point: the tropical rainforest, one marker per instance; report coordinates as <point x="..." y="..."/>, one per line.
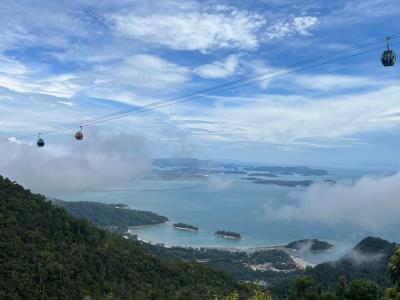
<point x="48" y="254"/>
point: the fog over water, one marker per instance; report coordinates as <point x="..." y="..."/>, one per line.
<point x="265" y="215"/>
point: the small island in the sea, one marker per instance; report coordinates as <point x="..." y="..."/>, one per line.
<point x="288" y="183"/>
<point x="310" y="245"/>
<point x="228" y="234"/>
<point x="184" y="226"/>
<point x="263" y="175"/>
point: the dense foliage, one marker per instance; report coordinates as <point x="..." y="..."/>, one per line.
<point x="305" y="288"/>
<point x="186" y="226"/>
<point x="394" y="269"/>
<point x="368" y="260"/>
<point x="232" y="234"/>
<point x="310" y="244"/>
<point x="47" y="254"/>
<point x="361" y="272"/>
<point x="107" y="215"/>
<point x="236" y="262"/>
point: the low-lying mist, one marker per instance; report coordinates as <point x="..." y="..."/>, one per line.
<point x="100" y="160"/>
<point x="370" y="204"/>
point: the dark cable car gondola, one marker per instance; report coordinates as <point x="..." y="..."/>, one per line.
<point x="40" y="141"/>
<point x="79" y="135"/>
<point x="388" y="57"/>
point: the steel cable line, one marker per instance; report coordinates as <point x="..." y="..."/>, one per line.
<point x="205" y="92"/>
<point x="168" y="103"/>
<point x="105" y="117"/>
<point x="70" y="125"/>
<point x="230" y="88"/>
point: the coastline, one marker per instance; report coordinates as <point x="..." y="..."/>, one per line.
<point x="300" y="262"/>
<point x="147" y="225"/>
<point x="184" y="228"/>
<point x="228" y="237"/>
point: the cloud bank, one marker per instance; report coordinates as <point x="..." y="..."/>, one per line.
<point x="192" y="30"/>
<point x="370" y="203"/>
<point x="99" y="161"/>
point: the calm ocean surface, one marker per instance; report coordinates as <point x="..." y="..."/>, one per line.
<point x="224" y="202"/>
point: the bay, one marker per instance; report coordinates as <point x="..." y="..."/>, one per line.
<point x="226" y="202"/>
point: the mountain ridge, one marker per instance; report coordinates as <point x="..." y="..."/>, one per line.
<point x="369" y="260"/>
<point x="46" y="253"/>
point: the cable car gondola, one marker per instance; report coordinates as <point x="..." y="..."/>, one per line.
<point x="40" y="141"/>
<point x="79" y="135"/>
<point x="388" y="57"/>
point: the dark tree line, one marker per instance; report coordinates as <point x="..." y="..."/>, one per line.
<point x="47" y="254"/>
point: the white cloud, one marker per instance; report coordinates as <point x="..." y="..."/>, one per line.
<point x="67" y="103"/>
<point x="91" y="163"/>
<point x="335" y="82"/>
<point x="304" y="25"/>
<point x="138" y="74"/>
<point x="354" y="11"/>
<point x="150" y="71"/>
<point x="219" y="69"/>
<point x="369" y="203"/>
<point x="5" y="97"/>
<point x="301" y="25"/>
<point x="18" y="77"/>
<point x="193" y="30"/>
<point x="13" y="139"/>
<point x="119" y="65"/>
<point x="12" y="67"/>
<point x="292" y="120"/>
<point x="58" y="86"/>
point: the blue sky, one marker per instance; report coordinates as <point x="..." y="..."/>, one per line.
<point x="67" y="61"/>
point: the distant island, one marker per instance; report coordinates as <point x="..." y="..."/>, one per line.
<point x="288" y="183"/>
<point x="310" y="245"/>
<point x="306" y="171"/>
<point x="228" y="234"/>
<point x="263" y="174"/>
<point x="184" y="226"/>
<point x="110" y="215"/>
<point x="239" y="172"/>
<point x="196" y="169"/>
<point x="183" y="162"/>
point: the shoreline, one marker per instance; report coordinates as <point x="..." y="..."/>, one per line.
<point x="147" y="225"/>
<point x="228" y="237"/>
<point x="300" y="262"/>
<point x="184" y="228"/>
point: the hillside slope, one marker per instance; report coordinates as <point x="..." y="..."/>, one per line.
<point x="368" y="260"/>
<point x="47" y="254"/>
<point x="107" y="215"/>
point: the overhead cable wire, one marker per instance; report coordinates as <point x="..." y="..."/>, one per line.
<point x="215" y="89"/>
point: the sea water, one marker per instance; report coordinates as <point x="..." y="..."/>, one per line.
<point x="224" y="202"/>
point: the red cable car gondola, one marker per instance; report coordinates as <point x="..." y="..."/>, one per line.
<point x="79" y="135"/>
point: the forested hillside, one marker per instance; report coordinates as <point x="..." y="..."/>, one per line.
<point x="106" y="215"/>
<point x="368" y="260"/>
<point x="47" y="254"/>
